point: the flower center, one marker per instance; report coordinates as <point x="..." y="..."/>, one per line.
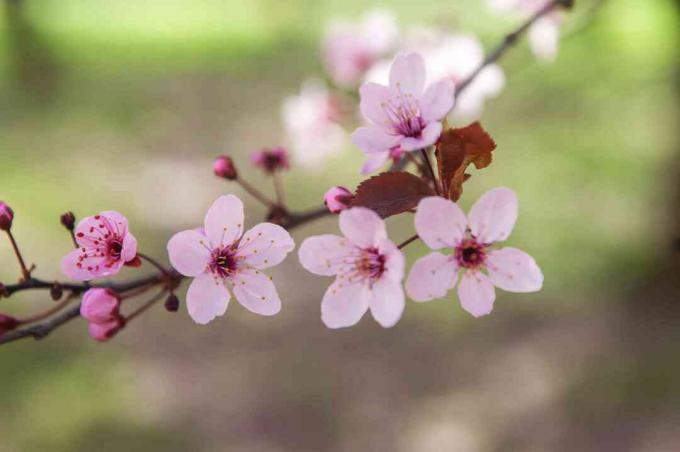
<point x="470" y="254"/>
<point x="115" y="248"/>
<point x="370" y="264"/>
<point x="403" y="115"/>
<point x="224" y="262"/>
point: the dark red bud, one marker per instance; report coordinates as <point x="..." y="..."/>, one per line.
<point x="172" y="303"/>
<point x="7" y="323"/>
<point x="224" y="167"/>
<point x="68" y="220"/>
<point x="6" y="216"/>
<point x="56" y="291"/>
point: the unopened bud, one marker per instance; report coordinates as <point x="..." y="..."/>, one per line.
<point x="338" y="199"/>
<point x="56" y="291"/>
<point x="6" y="216"/>
<point x="270" y="160"/>
<point x="224" y="167"/>
<point x="68" y="220"/>
<point x="7" y="323"/>
<point x="172" y="303"/>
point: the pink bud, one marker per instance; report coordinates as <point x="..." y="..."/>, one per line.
<point x="7" y="323"/>
<point x="6" y="216"/>
<point x="100" y="305"/>
<point x="104" y="331"/>
<point x="337" y="199"/>
<point x="224" y="167"/>
<point x="270" y="160"/>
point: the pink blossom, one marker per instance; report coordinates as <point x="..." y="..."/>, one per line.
<point x="271" y="160"/>
<point x="337" y="199"/>
<point x="440" y="223"/>
<point x="312" y="123"/>
<point x="100" y="307"/>
<point x="368" y="269"/>
<point x="221" y="256"/>
<point x="104" y="245"/>
<point x="6" y="216"/>
<point x="404" y="116"/>
<point x="349" y="48"/>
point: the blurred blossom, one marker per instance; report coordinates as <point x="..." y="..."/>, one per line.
<point x="311" y="120"/>
<point x="544" y="34"/>
<point x="350" y="48"/>
<point x="271" y="160"/>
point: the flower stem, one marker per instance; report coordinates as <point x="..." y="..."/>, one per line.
<point x="278" y="188"/>
<point x="143" y="308"/>
<point x="25" y="273"/>
<point x="407" y="241"/>
<point x="153" y="262"/>
<point x="426" y="158"/>
<point x="53" y="310"/>
<point x="255" y="193"/>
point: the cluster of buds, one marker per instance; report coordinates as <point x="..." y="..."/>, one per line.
<point x="100" y="307"/>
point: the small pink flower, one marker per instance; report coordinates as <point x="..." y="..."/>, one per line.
<point x="368" y="268"/>
<point x="6" y="217"/>
<point x="337" y="199"/>
<point x="221" y="255"/>
<point x="403" y="115"/>
<point x="224" y="167"/>
<point x="100" y="307"/>
<point x="105" y="245"/>
<point x="440" y="223"/>
<point x="270" y="160"/>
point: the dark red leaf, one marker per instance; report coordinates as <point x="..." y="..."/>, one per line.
<point x="391" y="193"/>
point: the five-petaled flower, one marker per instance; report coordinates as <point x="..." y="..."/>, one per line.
<point x="100" y="307"/>
<point x="404" y="116"/>
<point x="440" y="223"/>
<point x="221" y="255"/>
<point x="104" y="245"/>
<point x="369" y="269"/>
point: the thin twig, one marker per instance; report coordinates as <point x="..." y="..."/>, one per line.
<point x="426" y="159"/>
<point x="153" y="262"/>
<point x="255" y="193"/>
<point x="278" y="189"/>
<point x="146" y="305"/>
<point x="24" y="271"/>
<point x="298" y="219"/>
<point x="407" y="241"/>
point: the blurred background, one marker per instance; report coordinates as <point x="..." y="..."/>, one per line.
<point x="123" y="105"/>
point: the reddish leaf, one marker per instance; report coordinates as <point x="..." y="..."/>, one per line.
<point x="456" y="150"/>
<point x="391" y="193"/>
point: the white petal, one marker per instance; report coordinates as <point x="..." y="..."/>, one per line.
<point x="207" y="298"/>
<point x="440" y="222"/>
<point x="224" y="221"/>
<point x="431" y="277"/>
<point x="493" y="216"/>
<point x="265" y="245"/>
<point x="514" y="270"/>
<point x="476" y="293"/>
<point x="362" y="226"/>
<point x="387" y="302"/>
<point x="344" y="304"/>
<point x="189" y="253"/>
<point x="256" y="292"/>
<point x="407" y="74"/>
<point x="324" y="254"/>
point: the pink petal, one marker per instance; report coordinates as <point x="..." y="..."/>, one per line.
<point x="373" y="139"/>
<point x="116" y="220"/>
<point x="256" y="292"/>
<point x="324" y="254"/>
<point x="514" y="270"/>
<point x="476" y="293"/>
<point x="493" y="216"/>
<point x="374" y="161"/>
<point x="99" y="305"/>
<point x="207" y="298"/>
<point x="104" y="331"/>
<point x="428" y="137"/>
<point x="362" y="226"/>
<point x="189" y="253"/>
<point x="373" y="98"/>
<point x="265" y="245"/>
<point x="544" y="36"/>
<point x="394" y="260"/>
<point x="129" y="250"/>
<point x="431" y="277"/>
<point x="387" y="302"/>
<point x="224" y="221"/>
<point x="407" y="74"/>
<point x="440" y="222"/>
<point x="437" y="101"/>
<point x="90" y="268"/>
<point x="343" y="305"/>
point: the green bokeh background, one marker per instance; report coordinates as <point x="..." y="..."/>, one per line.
<point x="122" y="105"/>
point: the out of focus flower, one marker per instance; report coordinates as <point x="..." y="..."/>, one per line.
<point x="368" y="269"/>
<point x="311" y="119"/>
<point x="337" y="199"/>
<point x="224" y="167"/>
<point x="404" y="116"/>
<point x="544" y="34"/>
<point x="271" y="160"/>
<point x="7" y="323"/>
<point x="105" y="244"/>
<point x="440" y="223"/>
<point x="221" y="254"/>
<point x="6" y="217"/>
<point x="351" y="48"/>
<point x="100" y="307"/>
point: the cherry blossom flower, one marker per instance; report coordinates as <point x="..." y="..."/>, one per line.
<point x="104" y="245"/>
<point x="311" y="120"/>
<point x="100" y="307"/>
<point x="337" y="199"/>
<point x="544" y="34"/>
<point x="368" y="269"/>
<point x="271" y="160"/>
<point x="220" y="255"/>
<point x="404" y="116"/>
<point x="350" y="48"/>
<point x="440" y="223"/>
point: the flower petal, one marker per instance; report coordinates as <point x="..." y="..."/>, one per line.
<point x="374" y="161"/>
<point x="476" y="293"/>
<point x="407" y="74"/>
<point x="256" y="292"/>
<point x="207" y="298"/>
<point x="440" y="222"/>
<point x="431" y="277"/>
<point x="437" y="101"/>
<point x="324" y="254"/>
<point x="514" y="270"/>
<point x="373" y="98"/>
<point x="224" y="221"/>
<point x="344" y="304"/>
<point x="362" y="226"/>
<point x="88" y="268"/>
<point x="428" y="137"/>
<point x="493" y="216"/>
<point x="373" y="139"/>
<point x="394" y="260"/>
<point x="387" y="302"/>
<point x="544" y="37"/>
<point x="129" y="250"/>
<point x="265" y="245"/>
<point x="189" y="253"/>
<point x="116" y="221"/>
